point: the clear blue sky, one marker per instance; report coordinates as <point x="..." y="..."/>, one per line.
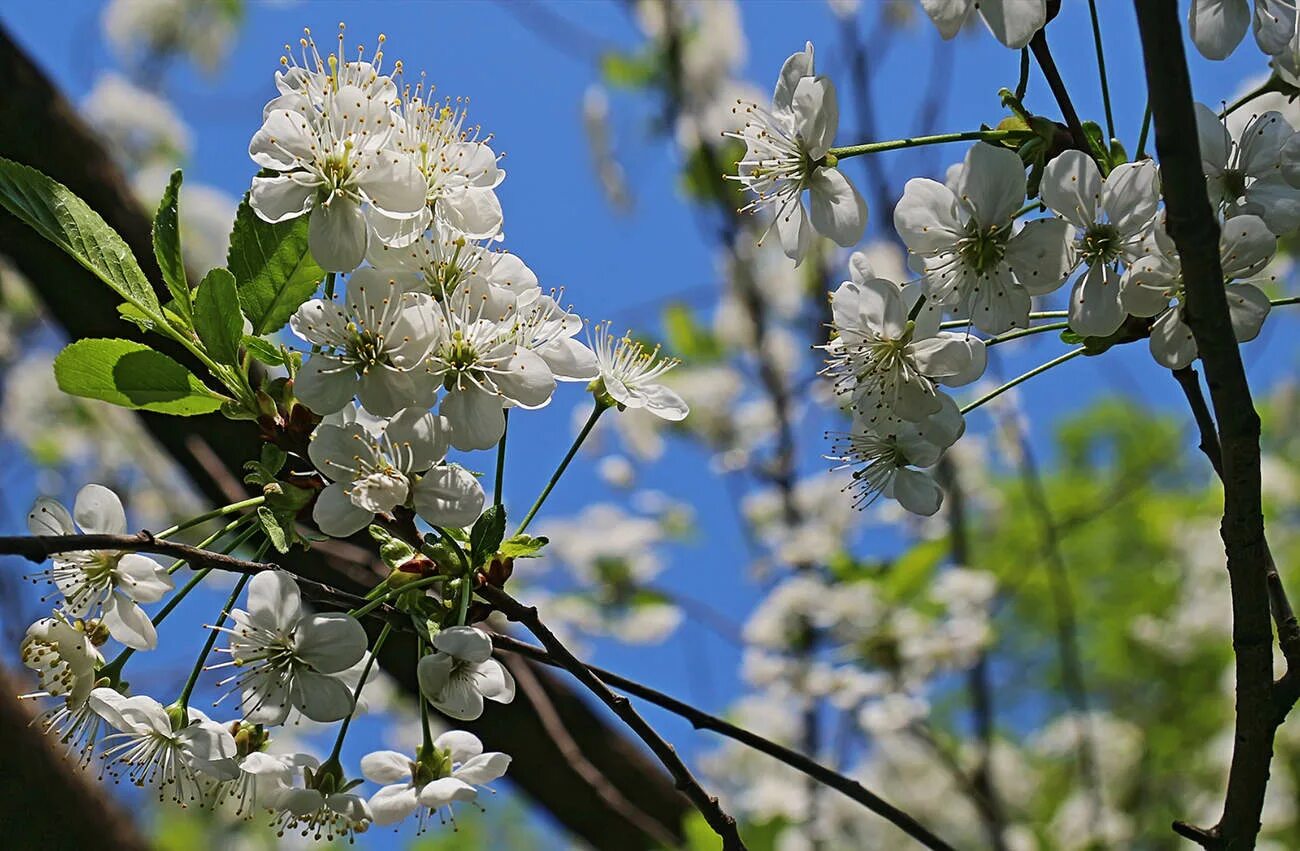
<point x="526" y="89"/>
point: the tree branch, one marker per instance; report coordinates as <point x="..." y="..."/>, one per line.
<point x="722" y="824"/>
<point x="702" y="720"/>
<point x="1195" y="231"/>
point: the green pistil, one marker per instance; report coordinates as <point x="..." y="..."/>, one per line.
<point x="983" y="250"/>
<point x="1100" y="244"/>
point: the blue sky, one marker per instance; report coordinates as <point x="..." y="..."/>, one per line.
<point x="526" y="89"/>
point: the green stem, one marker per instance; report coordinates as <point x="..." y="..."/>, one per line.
<point x="1026" y="332"/>
<point x="940" y="139"/>
<point x="1141" y="151"/>
<point x="205" y="517"/>
<point x="329" y="296"/>
<point x="501" y="459"/>
<point x="114" y="668"/>
<point x="1022" y="85"/>
<point x="1020" y="379"/>
<point x="1037" y="314"/>
<point x="1294" y="299"/>
<point x="1101" y="69"/>
<point x="228" y="528"/>
<point x="1264" y="88"/>
<point x="559" y="471"/>
<point x="427" y="746"/>
<point x="184" y="699"/>
<point x="356" y="694"/>
<point x="384" y="597"/>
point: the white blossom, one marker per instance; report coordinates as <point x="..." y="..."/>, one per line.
<point x="330" y="138"/>
<point x="1153" y="286"/>
<point x="321" y="813"/>
<point x="1013" y="22"/>
<point x="63" y="658"/>
<point x="630" y="374"/>
<point x="1109" y="221"/>
<point x="1247" y="173"/>
<point x="888" y="363"/>
<point x="431" y="781"/>
<point x="975" y="262"/>
<point x="1218" y="26"/>
<point x="376" y="466"/>
<point x="788" y="152"/>
<point x="288" y="659"/>
<point x="108" y="584"/>
<point x="461" y="672"/>
<point x="373" y="346"/>
<point x="154" y="748"/>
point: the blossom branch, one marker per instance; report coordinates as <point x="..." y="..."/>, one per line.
<point x="1195" y="231"/>
<point x="702" y="720"/>
<point x="722" y="824"/>
<point x="1043" y="55"/>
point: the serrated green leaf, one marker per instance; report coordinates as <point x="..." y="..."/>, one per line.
<point x="274" y="531"/>
<point x="487" y="533"/>
<point x="523" y="546"/>
<point x="273" y="269"/>
<point x="217" y="319"/>
<point x="263" y="351"/>
<point x="54" y="212"/>
<point x="167" y="245"/>
<point x="132" y="375"/>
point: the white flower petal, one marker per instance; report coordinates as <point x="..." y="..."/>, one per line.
<point x="98" y="511"/>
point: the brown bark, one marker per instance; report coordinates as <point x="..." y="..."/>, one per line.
<point x="40" y="128"/>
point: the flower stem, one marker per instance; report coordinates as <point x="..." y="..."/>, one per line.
<point x="426" y="747"/>
<point x="1038" y="314"/>
<point x="501" y="459"/>
<point x="1277" y="302"/>
<point x="209" y="515"/>
<point x="559" y="471"/>
<point x="1020" y="379"/>
<point x="1025" y="332"/>
<point x="1269" y="85"/>
<point x="1141" y="151"/>
<point x="1101" y="69"/>
<point x="378" y="601"/>
<point x="356" y="693"/>
<point x="918" y="141"/>
<point x="184" y="699"/>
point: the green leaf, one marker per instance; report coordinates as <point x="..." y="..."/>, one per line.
<point x="167" y="245"/>
<point x="54" y="212"/>
<point x="274" y="531"/>
<point x="137" y="317"/>
<point x="263" y="351"/>
<point x="216" y="317"/>
<point x="272" y="267"/>
<point x="132" y="375"/>
<point x="628" y="70"/>
<point x="523" y="546"/>
<point x="487" y="533"/>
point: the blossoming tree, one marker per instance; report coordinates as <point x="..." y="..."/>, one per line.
<point x="369" y="324"/>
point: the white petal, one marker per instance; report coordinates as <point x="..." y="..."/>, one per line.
<point x="444" y="791"/>
<point x="128" y="623"/>
<point x="664" y="403"/>
<point x="330" y="642"/>
<point x="335" y="514"/>
<point x="1247" y="306"/>
<point x="1215" y="143"/>
<point x="838" y="211"/>
<point x="476" y="418"/>
<point x="283" y="142"/>
<point x="142" y="579"/>
<point x="49" y="517"/>
<point x="98" y="511"/>
<point x="433" y="672"/>
<point x="495" y="682"/>
<point x="948" y="15"/>
<point x="483" y="768"/>
<point x="1130" y="195"/>
<point x="916" y="492"/>
<point x="461" y="746"/>
<point x="278" y="198"/>
<point x="1172" y="343"/>
<point x="793" y="229"/>
<point x="816" y="115"/>
<point x="1095" y="309"/>
<point x="1245" y="246"/>
<point x="991" y="183"/>
<point x="393" y="804"/>
<point x="794" y="69"/>
<point x="393" y="184"/>
<point x="386" y="767"/>
<point x="1072" y="187"/>
<point x="926" y="217"/>
<point x="1218" y="26"/>
<point x="448" y="495"/>
<point x="1040" y="255"/>
<point x="1014" y="22"/>
<point x="464" y="642"/>
<point x="320" y="697"/>
<point x="527" y="380"/>
<point x="475" y="212"/>
<point x="324" y="384"/>
<point x="337" y="234"/>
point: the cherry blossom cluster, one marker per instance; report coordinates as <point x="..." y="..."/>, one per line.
<point x="424" y="335"/>
<point x="982" y="263"/>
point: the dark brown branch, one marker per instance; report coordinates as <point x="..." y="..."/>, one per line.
<point x="701" y="720"/>
<point x="722" y="824"/>
<point x="1043" y="55"/>
<point x="1284" y="617"/>
<point x="1192" y="224"/>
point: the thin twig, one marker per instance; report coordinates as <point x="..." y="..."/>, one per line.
<point x="701" y="720"/>
<point x="1043" y="54"/>
<point x="722" y="824"/>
